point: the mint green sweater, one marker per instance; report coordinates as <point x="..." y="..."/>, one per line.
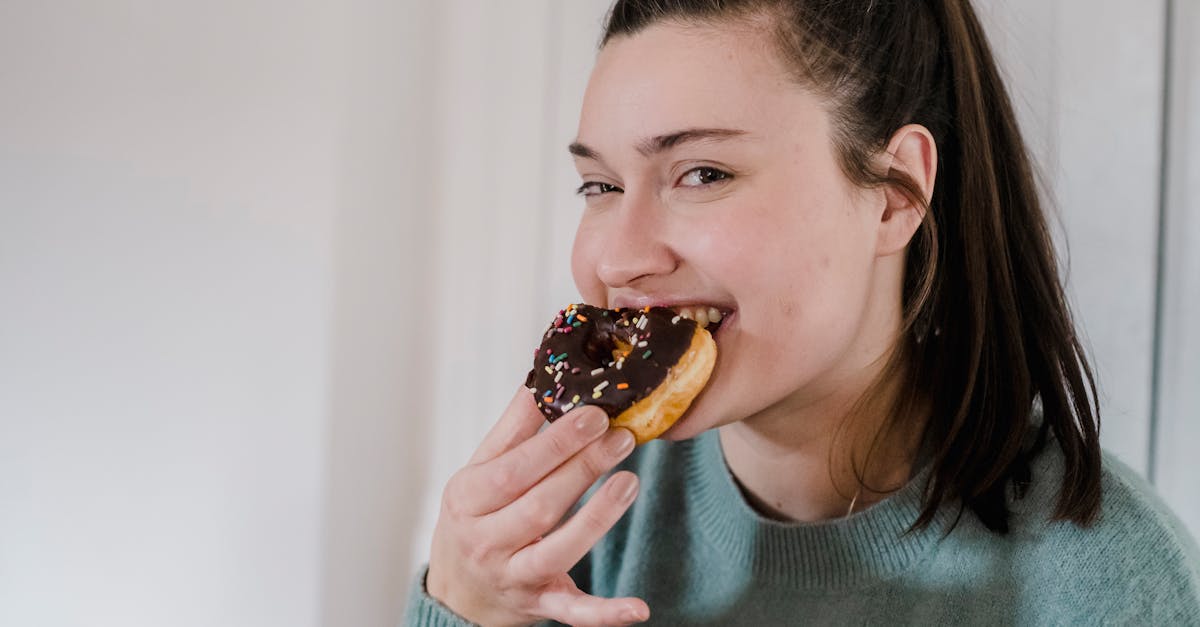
<point x="699" y="555"/>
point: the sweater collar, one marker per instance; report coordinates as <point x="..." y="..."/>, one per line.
<point x="868" y="546"/>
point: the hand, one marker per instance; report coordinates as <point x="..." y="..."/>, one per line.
<point x="497" y="558"/>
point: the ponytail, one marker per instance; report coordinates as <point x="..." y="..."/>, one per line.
<point x="1006" y="340"/>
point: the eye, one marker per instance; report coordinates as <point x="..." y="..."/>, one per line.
<point x="704" y="176"/>
<point x="593" y="188"/>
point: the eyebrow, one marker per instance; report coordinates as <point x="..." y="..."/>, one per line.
<point x="654" y="145"/>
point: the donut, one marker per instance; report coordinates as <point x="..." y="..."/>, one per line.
<point x="643" y="367"/>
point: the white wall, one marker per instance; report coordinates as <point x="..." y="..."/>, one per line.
<point x="1178" y="410"/>
<point x="206" y="271"/>
<point x="378" y="413"/>
<point x="224" y="226"/>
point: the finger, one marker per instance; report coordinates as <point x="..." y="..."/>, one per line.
<point x="572" y="606"/>
<point x="543" y="506"/>
<point x="518" y="423"/>
<point x="562" y="549"/>
<point x="497" y="483"/>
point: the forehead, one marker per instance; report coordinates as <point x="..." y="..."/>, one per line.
<point x="671" y="76"/>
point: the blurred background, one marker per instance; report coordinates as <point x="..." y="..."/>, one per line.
<point x="268" y="270"/>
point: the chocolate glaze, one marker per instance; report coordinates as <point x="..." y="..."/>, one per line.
<point x="584" y="339"/>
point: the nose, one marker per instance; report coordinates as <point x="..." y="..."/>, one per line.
<point x="636" y="245"/>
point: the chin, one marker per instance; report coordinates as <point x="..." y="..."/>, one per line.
<point x="680" y="432"/>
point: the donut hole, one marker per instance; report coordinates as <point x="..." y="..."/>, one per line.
<point x="606" y="346"/>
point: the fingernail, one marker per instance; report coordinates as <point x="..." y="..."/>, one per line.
<point x="624" y="487"/>
<point x="592" y="423"/>
<point x="633" y="615"/>
<point x="620" y="443"/>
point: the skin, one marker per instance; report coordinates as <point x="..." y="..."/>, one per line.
<point x="808" y="267"/>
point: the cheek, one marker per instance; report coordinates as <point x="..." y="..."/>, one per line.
<point x="799" y="272"/>
<point x="584" y="257"/>
<point x="760" y="251"/>
<point x="721" y="248"/>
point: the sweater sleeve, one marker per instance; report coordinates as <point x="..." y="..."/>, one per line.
<point x="1175" y="591"/>
<point x="1157" y="555"/>
<point x="1169" y="596"/>
<point x="426" y="611"/>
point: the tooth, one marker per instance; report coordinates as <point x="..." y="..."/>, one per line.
<point x="686" y="313"/>
<point x="702" y="317"/>
<point x="714" y="315"/>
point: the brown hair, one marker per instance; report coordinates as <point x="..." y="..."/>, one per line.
<point x="987" y="332"/>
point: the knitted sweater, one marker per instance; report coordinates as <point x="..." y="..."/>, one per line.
<point x="699" y="555"/>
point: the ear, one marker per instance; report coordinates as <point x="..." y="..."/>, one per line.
<point x="912" y="151"/>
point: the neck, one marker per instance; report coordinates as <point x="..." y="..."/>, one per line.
<point x="822" y="460"/>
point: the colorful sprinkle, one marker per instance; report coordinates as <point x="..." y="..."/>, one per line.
<point x="600" y="386"/>
<point x="646" y="354"/>
<point x="622" y="386"/>
<point x="568" y="407"/>
<point x="597" y="371"/>
<point x="676" y="319"/>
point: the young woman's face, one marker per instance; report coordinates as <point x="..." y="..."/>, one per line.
<point x="711" y="180"/>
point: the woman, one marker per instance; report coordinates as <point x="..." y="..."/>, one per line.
<point x="901" y="426"/>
